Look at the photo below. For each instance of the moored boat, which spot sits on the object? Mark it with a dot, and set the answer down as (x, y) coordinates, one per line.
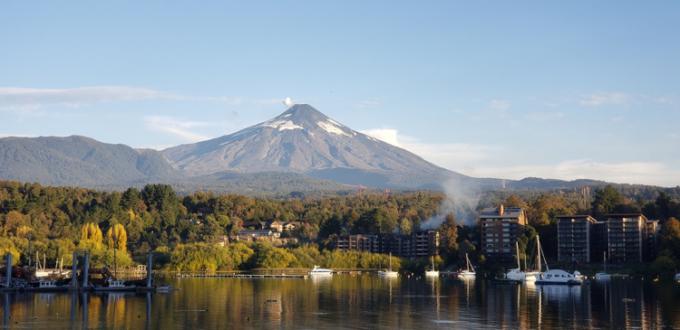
(556, 276)
(388, 273)
(603, 276)
(469, 272)
(560, 276)
(318, 271)
(519, 275)
(432, 272)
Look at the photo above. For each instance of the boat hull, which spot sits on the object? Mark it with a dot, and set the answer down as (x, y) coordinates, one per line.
(569, 282)
(388, 274)
(432, 273)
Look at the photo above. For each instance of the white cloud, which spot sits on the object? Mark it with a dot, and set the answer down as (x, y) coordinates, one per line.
(177, 127)
(499, 105)
(370, 103)
(36, 97)
(3, 135)
(31, 99)
(620, 172)
(604, 99)
(490, 161)
(449, 155)
(388, 135)
(543, 116)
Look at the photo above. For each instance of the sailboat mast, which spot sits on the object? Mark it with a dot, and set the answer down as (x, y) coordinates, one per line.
(538, 253)
(517, 252)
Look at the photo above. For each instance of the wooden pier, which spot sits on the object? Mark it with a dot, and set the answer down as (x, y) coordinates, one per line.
(73, 285)
(242, 275)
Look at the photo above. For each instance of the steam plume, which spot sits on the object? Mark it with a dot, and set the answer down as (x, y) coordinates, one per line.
(462, 198)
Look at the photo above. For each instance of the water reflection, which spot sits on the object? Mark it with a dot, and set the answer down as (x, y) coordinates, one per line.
(359, 301)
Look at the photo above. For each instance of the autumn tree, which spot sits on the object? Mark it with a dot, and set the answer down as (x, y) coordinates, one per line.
(116, 237)
(91, 233)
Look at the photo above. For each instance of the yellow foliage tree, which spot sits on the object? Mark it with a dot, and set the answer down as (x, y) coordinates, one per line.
(91, 235)
(116, 237)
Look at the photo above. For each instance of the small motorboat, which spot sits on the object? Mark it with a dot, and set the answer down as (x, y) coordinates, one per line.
(318, 271)
(559, 276)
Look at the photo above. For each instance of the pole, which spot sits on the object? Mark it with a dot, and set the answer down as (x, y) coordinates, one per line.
(74, 272)
(517, 252)
(8, 270)
(149, 270)
(86, 271)
(115, 264)
(538, 252)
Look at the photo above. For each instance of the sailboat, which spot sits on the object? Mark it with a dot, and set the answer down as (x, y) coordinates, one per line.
(603, 276)
(556, 276)
(388, 273)
(432, 272)
(469, 272)
(516, 274)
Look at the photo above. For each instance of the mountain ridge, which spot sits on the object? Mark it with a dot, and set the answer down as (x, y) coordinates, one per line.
(304, 140)
(299, 150)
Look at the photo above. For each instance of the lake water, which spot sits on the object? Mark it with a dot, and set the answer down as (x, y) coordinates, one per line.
(354, 302)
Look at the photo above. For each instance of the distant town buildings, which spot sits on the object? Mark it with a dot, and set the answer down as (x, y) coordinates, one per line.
(622, 238)
(417, 245)
(500, 228)
(574, 234)
(266, 231)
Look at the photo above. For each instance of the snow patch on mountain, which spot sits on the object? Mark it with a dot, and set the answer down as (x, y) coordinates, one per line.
(282, 125)
(332, 128)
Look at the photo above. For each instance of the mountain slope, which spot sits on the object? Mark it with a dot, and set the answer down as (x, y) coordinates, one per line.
(77, 160)
(303, 140)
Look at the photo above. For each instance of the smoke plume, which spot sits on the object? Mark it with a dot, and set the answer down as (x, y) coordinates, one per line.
(462, 197)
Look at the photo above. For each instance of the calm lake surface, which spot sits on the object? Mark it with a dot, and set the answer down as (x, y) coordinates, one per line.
(354, 302)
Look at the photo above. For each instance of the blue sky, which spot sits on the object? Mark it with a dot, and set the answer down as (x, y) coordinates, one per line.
(562, 90)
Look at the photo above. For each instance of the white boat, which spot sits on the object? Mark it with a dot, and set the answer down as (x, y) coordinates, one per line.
(603, 276)
(469, 271)
(559, 276)
(388, 273)
(432, 272)
(516, 274)
(318, 271)
(556, 276)
(677, 277)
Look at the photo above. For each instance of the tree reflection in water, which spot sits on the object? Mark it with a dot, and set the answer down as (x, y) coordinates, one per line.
(354, 301)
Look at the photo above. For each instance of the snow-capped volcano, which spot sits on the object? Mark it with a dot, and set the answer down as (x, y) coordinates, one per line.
(304, 140)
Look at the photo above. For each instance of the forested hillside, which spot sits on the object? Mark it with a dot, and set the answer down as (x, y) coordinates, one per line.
(56, 221)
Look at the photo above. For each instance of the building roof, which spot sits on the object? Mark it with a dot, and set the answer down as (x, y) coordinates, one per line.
(577, 216)
(501, 212)
(259, 232)
(625, 215)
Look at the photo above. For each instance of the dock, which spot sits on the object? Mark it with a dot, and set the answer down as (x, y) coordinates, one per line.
(241, 275)
(9, 284)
